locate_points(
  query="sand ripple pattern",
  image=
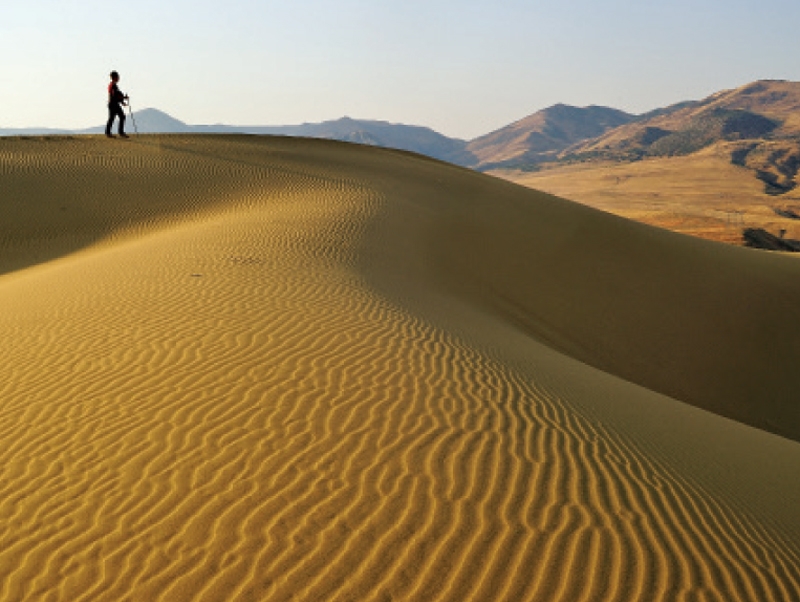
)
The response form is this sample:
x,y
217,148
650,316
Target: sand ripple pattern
x,y
221,408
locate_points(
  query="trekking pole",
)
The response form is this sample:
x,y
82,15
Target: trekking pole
x,y
130,112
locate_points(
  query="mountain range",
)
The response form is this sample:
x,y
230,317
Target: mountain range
x,y
759,123
541,137
417,139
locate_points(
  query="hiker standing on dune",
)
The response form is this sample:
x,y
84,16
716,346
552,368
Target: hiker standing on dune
x,y
116,99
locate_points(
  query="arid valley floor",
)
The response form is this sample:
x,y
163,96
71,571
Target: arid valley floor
x,y
701,195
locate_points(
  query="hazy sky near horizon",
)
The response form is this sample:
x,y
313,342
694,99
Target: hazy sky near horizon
x,y
462,67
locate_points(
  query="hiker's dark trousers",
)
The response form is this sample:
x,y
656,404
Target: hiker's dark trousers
x,y
115,110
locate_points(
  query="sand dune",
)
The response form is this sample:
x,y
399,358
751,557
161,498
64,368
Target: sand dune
x,y
241,368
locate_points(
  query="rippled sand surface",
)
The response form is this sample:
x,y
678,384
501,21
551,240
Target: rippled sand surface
x,y
246,368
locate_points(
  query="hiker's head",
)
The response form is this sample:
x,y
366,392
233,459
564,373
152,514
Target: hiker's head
x,y
114,76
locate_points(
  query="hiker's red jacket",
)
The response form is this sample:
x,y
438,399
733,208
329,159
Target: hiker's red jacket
x,y
114,94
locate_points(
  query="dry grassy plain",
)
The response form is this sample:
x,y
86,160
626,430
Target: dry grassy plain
x,y
701,195
252,368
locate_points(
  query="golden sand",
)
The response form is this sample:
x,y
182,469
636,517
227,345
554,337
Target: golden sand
x,y
244,368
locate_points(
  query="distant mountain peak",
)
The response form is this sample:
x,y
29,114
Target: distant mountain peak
x,y
542,135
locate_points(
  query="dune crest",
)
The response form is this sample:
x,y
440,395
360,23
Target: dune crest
x,y
274,368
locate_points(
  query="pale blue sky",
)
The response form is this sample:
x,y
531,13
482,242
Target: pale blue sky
x,y
461,67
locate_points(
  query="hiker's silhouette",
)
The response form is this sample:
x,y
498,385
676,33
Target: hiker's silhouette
x,y
116,99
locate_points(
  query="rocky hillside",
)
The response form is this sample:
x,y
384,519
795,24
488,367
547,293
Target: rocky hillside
x,y
759,124
540,137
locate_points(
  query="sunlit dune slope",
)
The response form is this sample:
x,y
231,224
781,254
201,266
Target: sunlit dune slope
x,y
244,368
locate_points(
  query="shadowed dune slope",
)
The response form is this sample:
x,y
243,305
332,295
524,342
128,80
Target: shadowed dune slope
x,y
246,368
62,194
713,326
